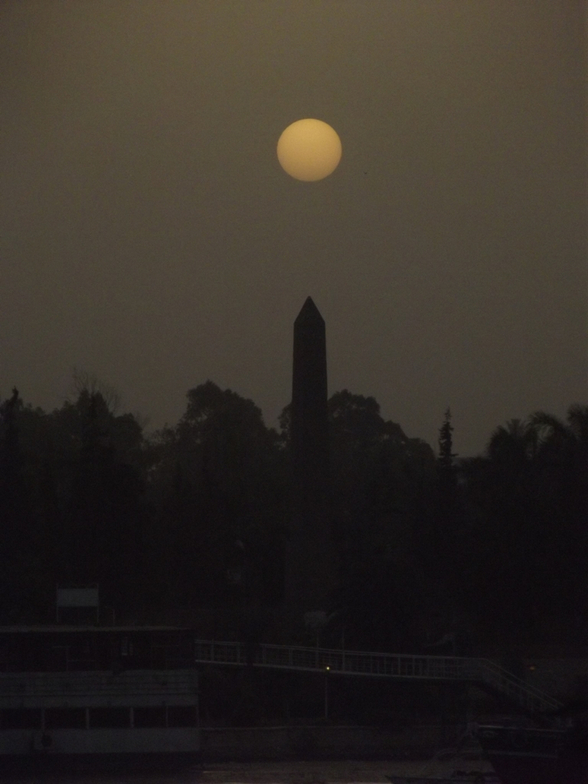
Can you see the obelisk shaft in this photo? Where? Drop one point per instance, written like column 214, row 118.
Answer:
column 309, row 567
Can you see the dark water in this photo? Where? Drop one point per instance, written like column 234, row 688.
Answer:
column 340, row 772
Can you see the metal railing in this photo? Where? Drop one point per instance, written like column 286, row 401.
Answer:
column 495, row 677
column 153, row 682
column 336, row 661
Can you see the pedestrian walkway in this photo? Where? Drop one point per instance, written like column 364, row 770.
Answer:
column 483, row 672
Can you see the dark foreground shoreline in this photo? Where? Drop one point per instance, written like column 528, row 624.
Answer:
column 324, row 742
column 234, row 746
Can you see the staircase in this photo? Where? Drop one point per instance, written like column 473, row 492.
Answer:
column 483, row 672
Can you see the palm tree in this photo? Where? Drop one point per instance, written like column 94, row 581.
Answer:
column 564, row 454
column 563, row 489
column 527, row 502
column 568, row 438
column 514, row 443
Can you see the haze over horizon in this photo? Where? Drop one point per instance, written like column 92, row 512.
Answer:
column 151, row 238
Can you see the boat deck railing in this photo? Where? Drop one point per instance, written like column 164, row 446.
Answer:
column 25, row 689
column 388, row 665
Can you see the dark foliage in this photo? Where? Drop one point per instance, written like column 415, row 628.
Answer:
column 489, row 552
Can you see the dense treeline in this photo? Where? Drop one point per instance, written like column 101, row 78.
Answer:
column 488, row 551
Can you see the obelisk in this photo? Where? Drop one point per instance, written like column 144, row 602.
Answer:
column 309, row 555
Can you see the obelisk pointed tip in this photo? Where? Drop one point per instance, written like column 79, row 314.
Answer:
column 309, row 312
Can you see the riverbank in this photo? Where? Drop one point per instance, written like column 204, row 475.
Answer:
column 324, row 742
column 343, row 771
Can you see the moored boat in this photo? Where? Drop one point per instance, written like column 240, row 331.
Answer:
column 525, row 754
column 56, row 717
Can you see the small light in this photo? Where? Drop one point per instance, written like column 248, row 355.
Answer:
column 327, row 667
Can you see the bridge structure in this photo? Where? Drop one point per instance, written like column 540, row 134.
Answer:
column 333, row 661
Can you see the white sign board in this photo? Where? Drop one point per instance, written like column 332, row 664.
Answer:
column 77, row 597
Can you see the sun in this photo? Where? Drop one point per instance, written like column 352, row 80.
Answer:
column 309, row 150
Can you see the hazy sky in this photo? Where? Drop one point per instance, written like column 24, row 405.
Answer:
column 149, row 235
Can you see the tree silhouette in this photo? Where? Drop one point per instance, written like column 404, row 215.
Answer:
column 383, row 483
column 526, row 501
column 225, row 479
column 106, row 513
column 21, row 542
column 195, row 514
column 446, row 454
